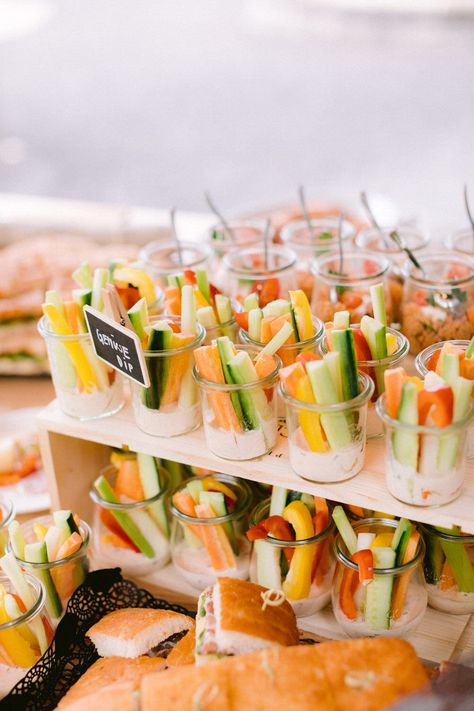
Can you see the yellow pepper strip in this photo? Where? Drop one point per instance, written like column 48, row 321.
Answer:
column 297, row 584
column 16, row 647
column 40, row 531
column 391, row 343
column 303, row 316
column 211, row 484
column 382, row 540
column 200, row 300
column 414, row 379
column 139, row 279
column 13, row 611
column 309, row 421
column 82, row 365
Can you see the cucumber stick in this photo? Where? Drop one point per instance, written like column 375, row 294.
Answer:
column 278, row 307
column 83, row 276
column 195, row 488
column 251, row 302
column 83, row 297
column 159, row 339
column 400, row 538
column 37, row 553
column 188, row 310
column 449, row 444
column 123, row 519
column 460, row 562
column 203, row 284
column 375, row 334
column 470, row 349
column 344, row 527
column 434, row 559
column 223, row 308
column 17, row 540
column 216, row 500
column 343, row 343
column 254, row 402
column 278, row 500
column 138, row 315
column 151, row 485
column 342, row 319
column 226, row 353
column 206, row 317
column 450, row 367
column 255, row 323
column 377, row 295
column 333, row 360
column 335, row 424
column 101, row 279
column 405, row 443
column 268, row 564
column 378, row 601
column 278, row 340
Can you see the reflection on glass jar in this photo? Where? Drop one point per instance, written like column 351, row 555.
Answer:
column 240, row 421
column 303, row 569
column 380, row 242
column 129, row 533
column 327, row 442
column 344, row 285
column 269, row 274
column 86, row 388
column 7, row 514
column 438, row 303
column 462, row 241
column 449, row 570
column 222, row 241
column 310, row 244
column 394, row 602
column 25, row 631
column 161, row 259
column 208, row 529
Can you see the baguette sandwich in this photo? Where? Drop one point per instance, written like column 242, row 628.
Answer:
column 233, row 619
column 134, row 631
column 183, row 652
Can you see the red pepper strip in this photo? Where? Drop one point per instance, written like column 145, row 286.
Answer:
column 256, row 532
column 349, row 582
column 242, row 318
column 365, row 563
column 361, row 347
column 277, row 527
column 189, row 276
column 439, row 403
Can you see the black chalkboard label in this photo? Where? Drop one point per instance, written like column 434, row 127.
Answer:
column 116, row 345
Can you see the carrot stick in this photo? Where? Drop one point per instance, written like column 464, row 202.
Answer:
column 446, row 580
column 394, row 379
column 216, row 541
column 184, row 502
column 401, row 583
column 209, row 367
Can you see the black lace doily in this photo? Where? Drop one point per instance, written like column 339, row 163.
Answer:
column 71, row 653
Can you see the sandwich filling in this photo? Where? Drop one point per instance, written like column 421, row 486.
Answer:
column 164, row 648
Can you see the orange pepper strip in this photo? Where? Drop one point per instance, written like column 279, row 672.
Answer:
column 349, row 583
column 438, row 403
column 365, row 563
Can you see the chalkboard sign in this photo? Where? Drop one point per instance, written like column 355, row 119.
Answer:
column 116, row 345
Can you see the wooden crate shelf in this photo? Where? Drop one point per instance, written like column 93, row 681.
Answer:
column 366, row 489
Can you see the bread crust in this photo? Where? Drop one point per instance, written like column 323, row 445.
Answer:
column 130, row 621
column 241, row 611
column 183, row 652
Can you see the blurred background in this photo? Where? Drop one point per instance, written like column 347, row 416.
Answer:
column 150, row 102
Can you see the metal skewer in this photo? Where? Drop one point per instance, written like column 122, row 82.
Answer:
column 223, row 221
column 175, row 234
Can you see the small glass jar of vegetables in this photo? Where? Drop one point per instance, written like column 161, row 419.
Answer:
column 131, row 526
column 310, row 240
column 235, row 234
column 449, row 569
column 326, row 412
column 53, row 549
column 377, row 347
column 343, row 281
column 292, row 535
column 462, row 241
column 7, row 514
column 25, row 628
column 237, row 385
column 268, row 271
column 438, row 300
column 209, row 521
column 162, row 259
column 378, row 588
column 379, row 241
column 426, row 424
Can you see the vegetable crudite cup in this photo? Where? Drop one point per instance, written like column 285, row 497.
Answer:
column 54, row 550
column 160, row 259
column 449, row 569
column 268, row 272
column 131, row 527
column 237, row 385
column 438, row 301
column 235, row 234
column 344, row 284
column 326, row 414
column 7, row 514
column 25, row 628
column 426, row 424
column 292, row 549
column 208, row 529
column 378, row 241
column 86, row 388
column 310, row 241
column 170, row 405
column 378, row 587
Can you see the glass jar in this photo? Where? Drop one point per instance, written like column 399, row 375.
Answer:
column 61, row 577
column 375, row 369
column 204, row 549
column 424, row 465
column 7, row 514
column 240, row 421
column 326, row 443
column 86, row 388
column 161, row 259
column 379, row 242
column 438, row 306
column 244, row 234
column 309, row 244
column 348, row 289
column 275, row 566
column 449, row 570
column 462, row 241
column 246, row 273
column 24, row 636
column 147, row 549
column 393, row 604
column 170, row 406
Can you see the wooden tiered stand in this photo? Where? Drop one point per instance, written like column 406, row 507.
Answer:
column 74, row 452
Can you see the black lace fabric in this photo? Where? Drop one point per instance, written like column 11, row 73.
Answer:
column 71, row 652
